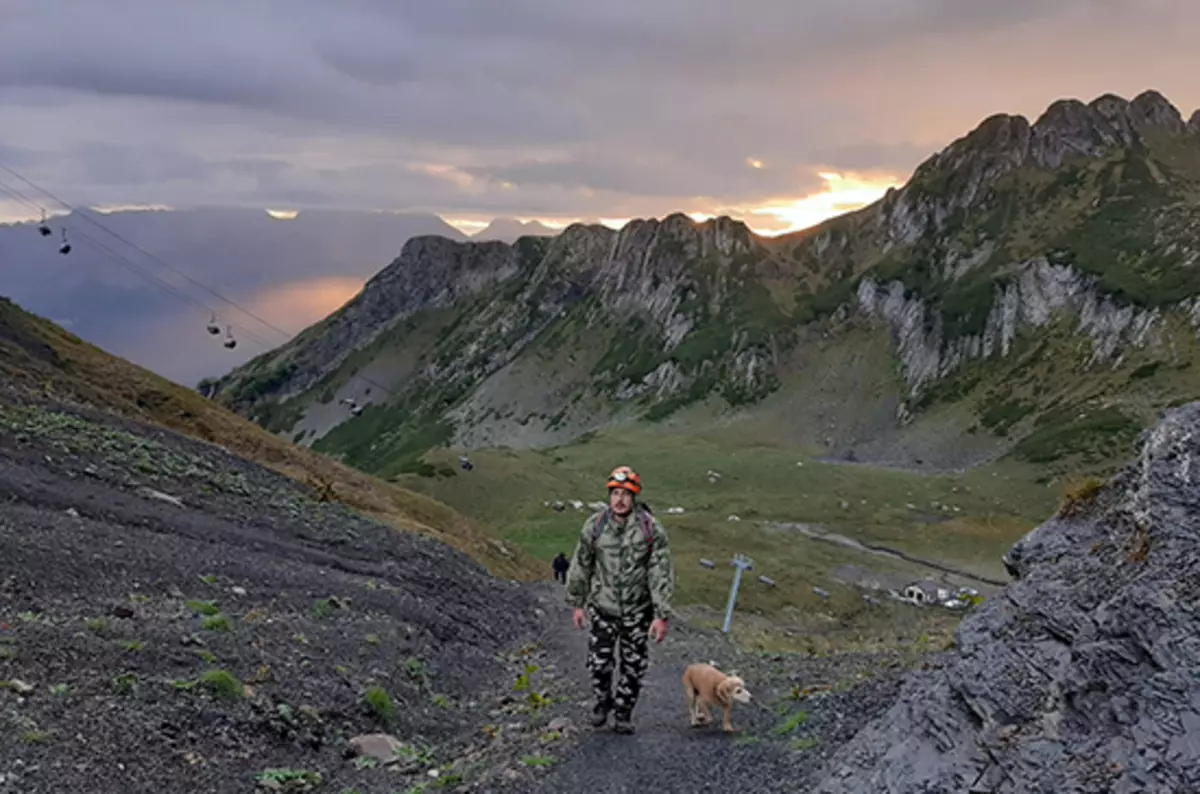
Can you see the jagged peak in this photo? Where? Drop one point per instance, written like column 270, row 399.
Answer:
column 1109, row 106
column 1194, row 122
column 1152, row 109
column 1110, row 117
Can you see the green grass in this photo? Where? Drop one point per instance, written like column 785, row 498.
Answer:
column 760, row 484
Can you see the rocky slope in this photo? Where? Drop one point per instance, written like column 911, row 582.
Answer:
column 1081, row 675
column 1074, row 235
column 39, row 360
column 176, row 618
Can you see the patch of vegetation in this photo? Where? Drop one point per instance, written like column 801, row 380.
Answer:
column 218, row 622
column 1092, row 435
column 634, row 351
column 206, row 608
column 1117, row 242
column 263, row 382
column 792, row 723
column 124, row 684
column 964, row 304
column 289, row 779
column 222, row 683
column 811, row 307
column 1147, row 370
column 326, row 608
column 277, row 417
column 1079, row 496
column 999, row 414
column 379, row 703
column 392, row 438
column 538, row 760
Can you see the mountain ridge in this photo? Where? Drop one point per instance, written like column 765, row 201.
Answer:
column 990, row 242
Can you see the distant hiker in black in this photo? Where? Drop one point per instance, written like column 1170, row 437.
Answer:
column 561, row 566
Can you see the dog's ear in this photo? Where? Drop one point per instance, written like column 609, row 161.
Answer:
column 724, row 690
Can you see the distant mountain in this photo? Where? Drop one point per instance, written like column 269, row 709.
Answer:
column 1033, row 290
column 509, row 230
column 244, row 254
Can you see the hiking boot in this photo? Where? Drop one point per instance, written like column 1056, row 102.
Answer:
column 600, row 714
column 622, row 724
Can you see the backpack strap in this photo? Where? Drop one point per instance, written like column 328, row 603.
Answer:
column 644, row 517
column 598, row 527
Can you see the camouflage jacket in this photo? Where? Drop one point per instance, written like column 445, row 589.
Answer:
column 620, row 574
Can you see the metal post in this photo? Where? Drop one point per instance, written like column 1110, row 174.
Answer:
column 742, row 563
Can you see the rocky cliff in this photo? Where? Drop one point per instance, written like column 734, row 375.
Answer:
column 1082, row 675
column 1080, row 228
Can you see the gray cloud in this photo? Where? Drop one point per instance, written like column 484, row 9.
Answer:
column 566, row 108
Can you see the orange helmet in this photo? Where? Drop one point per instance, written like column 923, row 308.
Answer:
column 625, row 477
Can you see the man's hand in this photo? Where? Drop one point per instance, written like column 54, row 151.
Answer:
column 580, row 619
column 658, row 630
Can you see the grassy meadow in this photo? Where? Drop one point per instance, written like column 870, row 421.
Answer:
column 966, row 521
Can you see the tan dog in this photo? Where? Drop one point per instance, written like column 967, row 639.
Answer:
column 706, row 686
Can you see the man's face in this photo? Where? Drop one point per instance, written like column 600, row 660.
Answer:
column 621, row 501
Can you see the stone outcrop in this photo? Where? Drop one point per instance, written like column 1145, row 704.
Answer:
column 1081, row 676
column 1039, row 292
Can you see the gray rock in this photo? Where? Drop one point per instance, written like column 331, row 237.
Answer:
column 1081, row 676
column 380, row 746
column 559, row 725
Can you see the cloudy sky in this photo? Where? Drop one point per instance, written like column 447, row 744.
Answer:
column 777, row 111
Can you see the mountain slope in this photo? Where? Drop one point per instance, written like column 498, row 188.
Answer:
column 37, row 358
column 1035, row 285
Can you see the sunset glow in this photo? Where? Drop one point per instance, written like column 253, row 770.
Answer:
column 843, row 193
column 295, row 305
column 283, row 215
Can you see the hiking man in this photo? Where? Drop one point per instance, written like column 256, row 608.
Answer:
column 561, row 566
column 621, row 581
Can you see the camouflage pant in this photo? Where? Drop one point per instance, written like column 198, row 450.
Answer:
column 629, row 633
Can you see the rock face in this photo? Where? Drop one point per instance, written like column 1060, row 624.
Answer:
column 1081, row 676
column 1035, row 296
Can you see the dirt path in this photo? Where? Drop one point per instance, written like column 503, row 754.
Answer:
column 776, row 750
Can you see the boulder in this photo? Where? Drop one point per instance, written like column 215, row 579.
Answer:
column 1083, row 675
